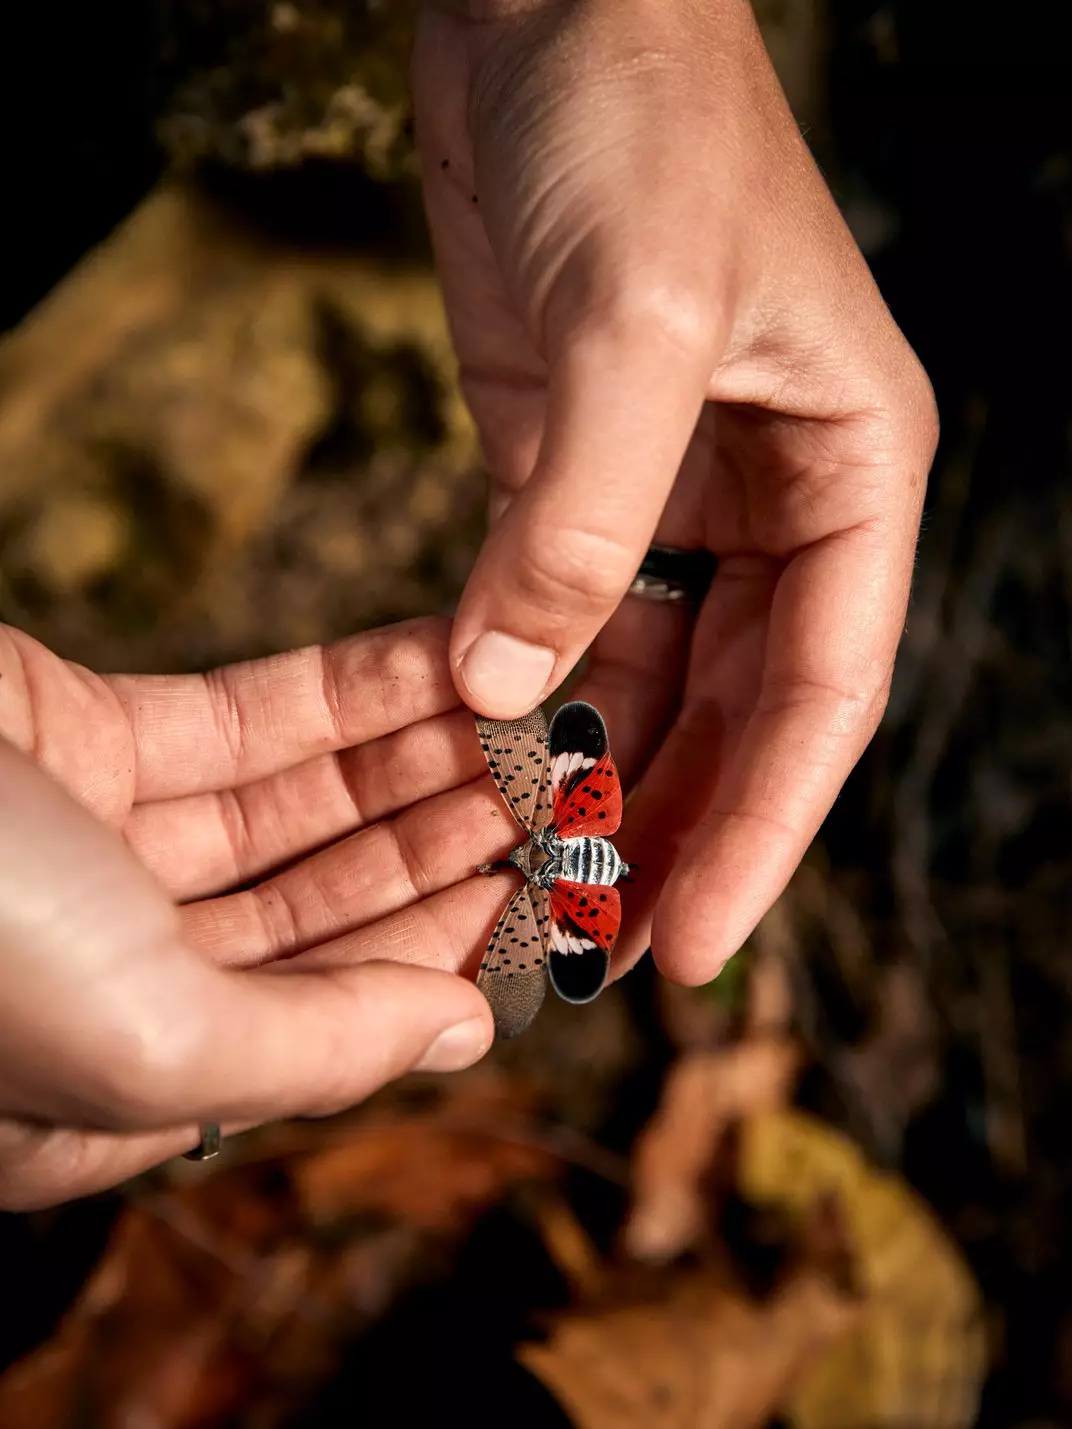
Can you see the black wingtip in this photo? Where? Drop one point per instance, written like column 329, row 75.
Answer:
column 579, row 728
column 578, row 977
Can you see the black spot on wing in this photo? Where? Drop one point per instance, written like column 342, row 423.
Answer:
column 514, row 990
column 523, row 742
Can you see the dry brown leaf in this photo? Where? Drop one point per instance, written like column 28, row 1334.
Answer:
column 569, row 1245
column 695, row 1353
column 433, row 1177
column 703, row 1094
column 224, row 1292
column 433, row 1168
column 146, row 1337
column 917, row 1355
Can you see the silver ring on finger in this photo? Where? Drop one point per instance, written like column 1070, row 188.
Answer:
column 208, row 1146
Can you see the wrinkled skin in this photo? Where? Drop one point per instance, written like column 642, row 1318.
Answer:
column 665, row 331
column 312, row 815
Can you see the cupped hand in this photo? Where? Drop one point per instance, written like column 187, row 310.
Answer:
column 665, row 332
column 216, row 895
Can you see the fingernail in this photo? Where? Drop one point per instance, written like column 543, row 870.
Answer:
column 505, row 674
column 456, row 1048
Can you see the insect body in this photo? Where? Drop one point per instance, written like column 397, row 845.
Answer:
column 563, row 789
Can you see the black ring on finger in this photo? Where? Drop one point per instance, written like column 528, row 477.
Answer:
column 670, row 574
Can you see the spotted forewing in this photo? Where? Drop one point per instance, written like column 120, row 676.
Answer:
column 516, row 751
column 513, row 971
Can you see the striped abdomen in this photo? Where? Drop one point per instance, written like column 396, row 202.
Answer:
column 588, row 860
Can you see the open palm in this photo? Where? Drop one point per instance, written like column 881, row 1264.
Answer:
column 313, row 814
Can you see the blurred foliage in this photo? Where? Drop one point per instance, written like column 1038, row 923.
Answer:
column 265, row 86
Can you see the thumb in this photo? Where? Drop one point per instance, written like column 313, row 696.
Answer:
column 623, row 401
column 108, row 1019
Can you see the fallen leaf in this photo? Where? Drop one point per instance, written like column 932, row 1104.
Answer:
column 918, row 1354
column 688, row 1348
column 435, row 1170
column 703, row 1094
column 239, row 1289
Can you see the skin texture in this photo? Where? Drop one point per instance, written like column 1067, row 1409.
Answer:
column 666, row 332
column 313, row 814
column 215, row 892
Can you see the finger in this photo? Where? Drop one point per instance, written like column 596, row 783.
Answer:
column 235, row 835
column 448, row 930
column 69, row 720
column 200, row 733
column 634, row 677
column 41, row 1167
column 109, row 1021
column 622, row 406
column 359, row 881
column 836, row 617
column 637, row 665
column 253, row 1047
column 314, row 1042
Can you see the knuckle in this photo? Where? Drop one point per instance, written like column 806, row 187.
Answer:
column 278, row 916
column 236, row 826
column 331, row 693
column 851, row 710
column 225, row 708
column 919, row 410
column 48, row 1171
column 659, row 308
column 928, row 423
column 572, row 571
column 410, row 872
column 345, row 1085
column 135, row 1088
column 912, row 428
column 641, row 303
column 877, row 706
column 862, row 707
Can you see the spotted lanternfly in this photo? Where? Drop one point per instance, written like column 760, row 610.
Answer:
column 561, row 786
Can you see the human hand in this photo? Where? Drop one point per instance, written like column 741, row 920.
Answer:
column 665, row 332
column 352, row 773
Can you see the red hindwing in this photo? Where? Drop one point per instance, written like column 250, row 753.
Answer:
column 589, row 803
column 584, row 913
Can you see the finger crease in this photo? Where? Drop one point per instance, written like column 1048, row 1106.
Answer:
column 236, row 828
column 349, row 779
column 226, row 715
column 409, row 864
column 856, row 704
column 277, row 917
column 332, row 696
column 768, row 820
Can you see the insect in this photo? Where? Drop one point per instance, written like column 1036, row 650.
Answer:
column 561, row 786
